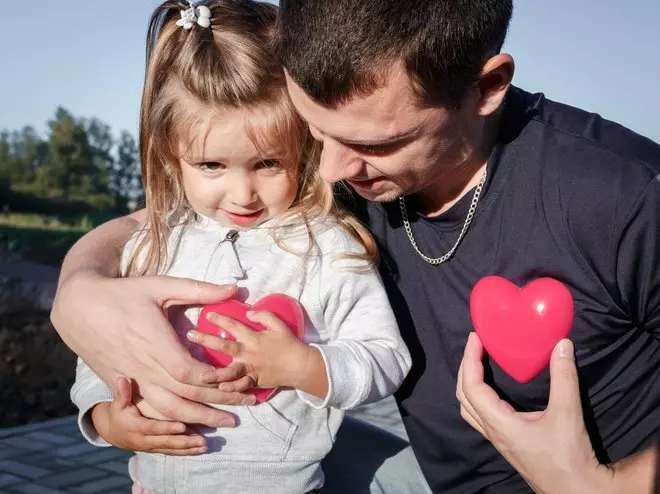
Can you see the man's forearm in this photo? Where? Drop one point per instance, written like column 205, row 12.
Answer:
column 99, row 251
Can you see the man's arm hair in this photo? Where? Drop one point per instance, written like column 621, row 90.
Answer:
column 99, row 250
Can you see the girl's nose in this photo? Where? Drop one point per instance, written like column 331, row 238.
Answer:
column 243, row 192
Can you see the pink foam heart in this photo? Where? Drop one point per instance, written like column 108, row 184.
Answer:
column 282, row 306
column 519, row 327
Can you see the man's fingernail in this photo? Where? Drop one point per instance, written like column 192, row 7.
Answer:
column 566, row 349
column 226, row 423
column 192, row 335
column 250, row 314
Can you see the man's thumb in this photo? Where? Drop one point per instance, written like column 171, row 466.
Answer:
column 564, row 384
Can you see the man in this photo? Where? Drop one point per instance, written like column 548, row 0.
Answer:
column 465, row 176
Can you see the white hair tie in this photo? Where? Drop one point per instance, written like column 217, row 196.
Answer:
column 195, row 15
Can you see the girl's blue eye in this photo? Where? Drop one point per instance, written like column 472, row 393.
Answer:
column 269, row 164
column 211, row 166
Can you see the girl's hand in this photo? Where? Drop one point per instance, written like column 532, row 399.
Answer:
column 121, row 424
column 272, row 358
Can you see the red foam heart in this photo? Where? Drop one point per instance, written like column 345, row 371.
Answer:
column 282, row 306
column 519, row 327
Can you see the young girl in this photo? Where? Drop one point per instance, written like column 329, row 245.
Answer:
column 233, row 196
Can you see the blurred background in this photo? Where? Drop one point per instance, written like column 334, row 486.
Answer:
column 70, row 83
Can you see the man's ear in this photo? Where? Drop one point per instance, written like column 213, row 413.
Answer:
column 494, row 81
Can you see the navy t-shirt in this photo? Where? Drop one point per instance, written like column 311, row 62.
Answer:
column 571, row 196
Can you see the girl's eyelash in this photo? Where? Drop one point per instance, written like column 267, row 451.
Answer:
column 211, row 165
column 269, row 163
column 216, row 165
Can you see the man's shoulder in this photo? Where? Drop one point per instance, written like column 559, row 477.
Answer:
column 592, row 161
column 588, row 173
column 575, row 138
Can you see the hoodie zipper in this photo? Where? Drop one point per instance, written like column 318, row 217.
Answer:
column 232, row 236
column 224, row 265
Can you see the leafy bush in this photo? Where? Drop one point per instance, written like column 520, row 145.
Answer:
column 36, row 368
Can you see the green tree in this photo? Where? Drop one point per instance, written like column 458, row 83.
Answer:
column 79, row 161
column 30, row 152
column 70, row 155
column 21, row 153
column 101, row 142
column 5, row 176
column 4, row 155
column 125, row 179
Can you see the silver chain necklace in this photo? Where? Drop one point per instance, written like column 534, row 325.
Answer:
column 466, row 224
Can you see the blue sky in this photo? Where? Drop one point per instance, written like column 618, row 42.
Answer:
column 88, row 56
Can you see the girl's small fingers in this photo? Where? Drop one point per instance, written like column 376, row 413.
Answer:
column 124, row 395
column 181, row 452
column 151, row 427
column 237, row 329
column 175, row 442
column 230, row 373
column 267, row 319
column 239, row 385
column 228, row 347
column 146, row 410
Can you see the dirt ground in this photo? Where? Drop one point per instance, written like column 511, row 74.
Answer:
column 36, row 368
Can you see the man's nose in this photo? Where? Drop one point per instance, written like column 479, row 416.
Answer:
column 338, row 162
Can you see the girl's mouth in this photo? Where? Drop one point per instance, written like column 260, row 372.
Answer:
column 244, row 219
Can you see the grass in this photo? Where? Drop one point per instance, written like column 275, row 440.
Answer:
column 81, row 223
column 41, row 238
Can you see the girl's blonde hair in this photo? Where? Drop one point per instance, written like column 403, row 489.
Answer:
column 227, row 66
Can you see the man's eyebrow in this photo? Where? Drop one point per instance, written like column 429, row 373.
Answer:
column 394, row 139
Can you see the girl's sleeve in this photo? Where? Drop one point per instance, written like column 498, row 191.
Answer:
column 87, row 391
column 364, row 355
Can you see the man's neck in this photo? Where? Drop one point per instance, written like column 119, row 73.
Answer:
column 451, row 186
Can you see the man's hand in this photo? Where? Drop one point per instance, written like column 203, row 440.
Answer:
column 118, row 327
column 121, row 424
column 550, row 449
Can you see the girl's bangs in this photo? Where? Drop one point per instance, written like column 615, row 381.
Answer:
column 275, row 127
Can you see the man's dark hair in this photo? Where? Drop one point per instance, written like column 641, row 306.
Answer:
column 337, row 49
